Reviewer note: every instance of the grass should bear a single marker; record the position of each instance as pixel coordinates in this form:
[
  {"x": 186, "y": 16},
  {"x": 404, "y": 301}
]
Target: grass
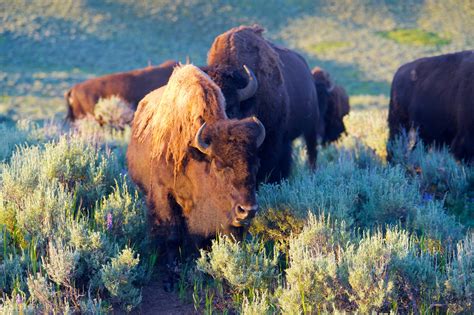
[
  {"x": 415, "y": 37},
  {"x": 326, "y": 47}
]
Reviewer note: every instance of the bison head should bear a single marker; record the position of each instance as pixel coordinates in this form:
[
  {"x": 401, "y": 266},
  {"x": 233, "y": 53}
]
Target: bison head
[
  {"x": 223, "y": 169},
  {"x": 238, "y": 86},
  {"x": 333, "y": 103}
]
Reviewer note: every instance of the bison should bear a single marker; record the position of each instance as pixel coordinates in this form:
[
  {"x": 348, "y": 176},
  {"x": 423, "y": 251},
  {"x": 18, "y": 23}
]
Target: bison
[
  {"x": 333, "y": 106},
  {"x": 275, "y": 85},
  {"x": 196, "y": 166},
  {"x": 131, "y": 86},
  {"x": 435, "y": 95}
]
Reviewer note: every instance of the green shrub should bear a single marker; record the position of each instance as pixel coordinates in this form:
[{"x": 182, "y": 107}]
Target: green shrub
[
  {"x": 380, "y": 203},
  {"x": 244, "y": 266},
  {"x": 276, "y": 225},
  {"x": 39, "y": 215},
  {"x": 122, "y": 214},
  {"x": 114, "y": 112},
  {"x": 91, "y": 131},
  {"x": 43, "y": 296},
  {"x": 73, "y": 163},
  {"x": 11, "y": 137},
  {"x": 42, "y": 188},
  {"x": 60, "y": 263},
  {"x": 440, "y": 176},
  {"x": 16, "y": 305},
  {"x": 80, "y": 166},
  {"x": 331, "y": 270},
  {"x": 119, "y": 277},
  {"x": 93, "y": 249},
  {"x": 431, "y": 220},
  {"x": 386, "y": 267},
  {"x": 360, "y": 197},
  {"x": 312, "y": 283},
  {"x": 327, "y": 190},
  {"x": 258, "y": 304},
  {"x": 459, "y": 284},
  {"x": 13, "y": 273}
]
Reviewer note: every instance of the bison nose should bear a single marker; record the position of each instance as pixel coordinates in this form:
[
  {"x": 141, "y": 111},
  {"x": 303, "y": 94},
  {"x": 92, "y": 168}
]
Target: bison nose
[{"x": 246, "y": 212}]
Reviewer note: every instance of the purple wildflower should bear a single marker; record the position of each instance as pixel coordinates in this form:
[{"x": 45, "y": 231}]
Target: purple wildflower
[
  {"x": 19, "y": 299},
  {"x": 109, "y": 221},
  {"x": 427, "y": 196}
]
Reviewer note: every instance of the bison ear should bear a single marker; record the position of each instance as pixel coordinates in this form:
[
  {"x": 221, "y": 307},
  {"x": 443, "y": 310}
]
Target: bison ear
[{"x": 257, "y": 128}]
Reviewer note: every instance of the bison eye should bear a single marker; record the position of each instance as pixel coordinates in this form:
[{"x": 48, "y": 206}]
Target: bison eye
[
  {"x": 219, "y": 164},
  {"x": 197, "y": 155}
]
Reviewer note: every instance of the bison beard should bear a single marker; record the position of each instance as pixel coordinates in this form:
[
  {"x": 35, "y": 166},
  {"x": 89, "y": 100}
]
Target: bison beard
[
  {"x": 197, "y": 167},
  {"x": 435, "y": 95},
  {"x": 285, "y": 100},
  {"x": 130, "y": 86}
]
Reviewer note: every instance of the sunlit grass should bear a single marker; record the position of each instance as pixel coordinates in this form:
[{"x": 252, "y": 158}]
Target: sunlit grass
[
  {"x": 327, "y": 47},
  {"x": 415, "y": 36}
]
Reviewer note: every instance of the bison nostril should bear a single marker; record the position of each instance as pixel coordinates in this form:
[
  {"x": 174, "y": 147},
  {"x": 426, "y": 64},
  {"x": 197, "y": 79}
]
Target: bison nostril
[
  {"x": 241, "y": 210},
  {"x": 244, "y": 212}
]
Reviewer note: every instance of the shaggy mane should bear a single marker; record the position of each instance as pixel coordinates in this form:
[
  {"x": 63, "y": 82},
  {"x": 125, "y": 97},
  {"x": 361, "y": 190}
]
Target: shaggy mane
[
  {"x": 235, "y": 43},
  {"x": 170, "y": 118}
]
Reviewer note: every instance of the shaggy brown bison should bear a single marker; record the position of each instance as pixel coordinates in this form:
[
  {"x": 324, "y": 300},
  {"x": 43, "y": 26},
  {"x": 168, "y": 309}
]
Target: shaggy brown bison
[
  {"x": 333, "y": 106},
  {"x": 131, "y": 86},
  {"x": 435, "y": 95},
  {"x": 197, "y": 167},
  {"x": 276, "y": 86}
]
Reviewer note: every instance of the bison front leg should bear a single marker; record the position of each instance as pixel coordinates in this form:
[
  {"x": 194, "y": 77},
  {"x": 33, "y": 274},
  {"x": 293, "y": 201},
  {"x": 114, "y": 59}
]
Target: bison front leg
[
  {"x": 173, "y": 244},
  {"x": 463, "y": 147},
  {"x": 166, "y": 223},
  {"x": 311, "y": 139}
]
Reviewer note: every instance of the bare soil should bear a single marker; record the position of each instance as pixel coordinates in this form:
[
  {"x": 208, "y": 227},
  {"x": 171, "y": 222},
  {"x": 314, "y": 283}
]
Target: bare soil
[{"x": 155, "y": 300}]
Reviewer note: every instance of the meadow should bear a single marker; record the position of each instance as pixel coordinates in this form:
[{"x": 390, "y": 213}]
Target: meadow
[{"x": 359, "y": 235}]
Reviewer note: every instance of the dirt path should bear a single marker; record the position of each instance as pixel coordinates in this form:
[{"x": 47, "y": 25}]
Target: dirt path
[{"x": 156, "y": 301}]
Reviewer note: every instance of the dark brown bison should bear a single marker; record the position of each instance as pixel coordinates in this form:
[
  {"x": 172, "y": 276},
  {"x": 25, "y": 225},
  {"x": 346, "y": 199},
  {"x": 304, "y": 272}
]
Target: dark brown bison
[
  {"x": 131, "y": 86},
  {"x": 197, "y": 167},
  {"x": 333, "y": 106},
  {"x": 435, "y": 95},
  {"x": 276, "y": 86}
]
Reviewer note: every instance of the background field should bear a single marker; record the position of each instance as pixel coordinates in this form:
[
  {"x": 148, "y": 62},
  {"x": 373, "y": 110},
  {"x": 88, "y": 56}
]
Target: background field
[{"x": 426, "y": 199}]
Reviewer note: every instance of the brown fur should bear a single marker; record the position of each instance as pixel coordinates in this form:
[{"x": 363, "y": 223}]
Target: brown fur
[
  {"x": 276, "y": 69},
  {"x": 246, "y": 45},
  {"x": 435, "y": 95},
  {"x": 192, "y": 195},
  {"x": 333, "y": 105},
  {"x": 174, "y": 127},
  {"x": 131, "y": 86}
]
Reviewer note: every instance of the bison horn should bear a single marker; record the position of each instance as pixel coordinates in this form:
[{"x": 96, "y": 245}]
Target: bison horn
[
  {"x": 261, "y": 134},
  {"x": 200, "y": 144},
  {"x": 250, "y": 89}
]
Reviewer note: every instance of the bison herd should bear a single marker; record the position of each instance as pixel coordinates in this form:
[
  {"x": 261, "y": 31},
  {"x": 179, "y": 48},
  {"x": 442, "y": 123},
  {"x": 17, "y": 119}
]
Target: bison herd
[{"x": 203, "y": 138}]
